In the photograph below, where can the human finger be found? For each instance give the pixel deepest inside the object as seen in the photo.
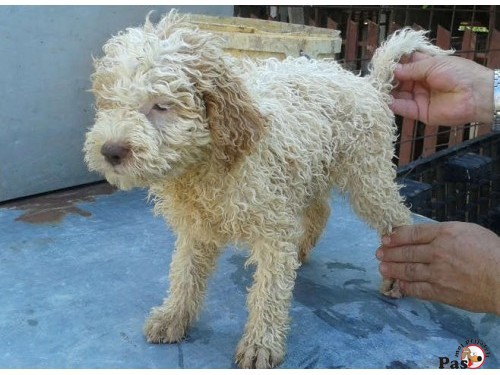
(411, 234)
(417, 70)
(419, 56)
(402, 94)
(405, 254)
(405, 271)
(413, 57)
(419, 289)
(405, 107)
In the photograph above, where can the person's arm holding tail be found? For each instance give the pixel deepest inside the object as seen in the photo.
(451, 262)
(443, 90)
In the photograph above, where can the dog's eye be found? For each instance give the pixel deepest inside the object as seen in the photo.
(160, 107)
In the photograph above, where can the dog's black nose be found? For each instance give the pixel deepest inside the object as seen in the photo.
(114, 153)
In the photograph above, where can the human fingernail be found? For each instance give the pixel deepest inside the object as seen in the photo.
(386, 240)
(379, 254)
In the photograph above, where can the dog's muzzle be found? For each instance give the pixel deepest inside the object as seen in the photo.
(115, 153)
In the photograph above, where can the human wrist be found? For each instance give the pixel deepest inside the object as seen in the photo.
(495, 277)
(496, 296)
(496, 101)
(496, 300)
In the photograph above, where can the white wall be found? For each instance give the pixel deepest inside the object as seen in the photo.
(45, 108)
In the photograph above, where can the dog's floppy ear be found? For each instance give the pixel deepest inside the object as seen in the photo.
(235, 123)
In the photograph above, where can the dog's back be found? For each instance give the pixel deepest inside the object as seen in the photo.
(316, 113)
(316, 109)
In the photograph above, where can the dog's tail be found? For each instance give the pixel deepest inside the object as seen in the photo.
(402, 42)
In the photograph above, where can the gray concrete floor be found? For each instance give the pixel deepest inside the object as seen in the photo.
(80, 270)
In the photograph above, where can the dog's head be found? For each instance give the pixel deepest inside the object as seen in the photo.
(167, 100)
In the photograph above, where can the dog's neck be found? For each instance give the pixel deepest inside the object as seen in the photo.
(192, 178)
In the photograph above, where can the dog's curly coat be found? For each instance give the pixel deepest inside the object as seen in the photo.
(244, 152)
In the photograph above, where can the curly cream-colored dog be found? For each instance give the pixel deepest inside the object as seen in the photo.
(245, 152)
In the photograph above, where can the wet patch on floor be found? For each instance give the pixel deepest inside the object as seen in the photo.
(51, 208)
(343, 266)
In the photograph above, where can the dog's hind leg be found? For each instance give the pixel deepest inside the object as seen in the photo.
(314, 221)
(374, 196)
(191, 265)
(263, 343)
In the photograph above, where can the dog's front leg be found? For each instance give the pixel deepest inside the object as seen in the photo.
(192, 263)
(263, 343)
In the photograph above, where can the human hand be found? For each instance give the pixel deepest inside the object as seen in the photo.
(452, 262)
(443, 90)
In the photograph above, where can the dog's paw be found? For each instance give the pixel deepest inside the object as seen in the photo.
(390, 288)
(161, 327)
(250, 356)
